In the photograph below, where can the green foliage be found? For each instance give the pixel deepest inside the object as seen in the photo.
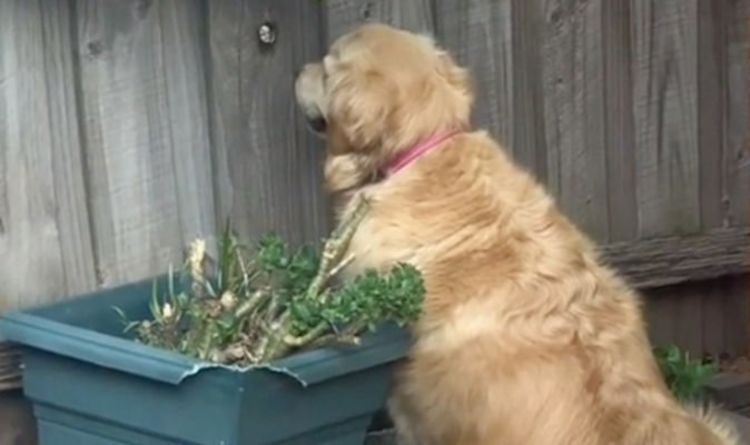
(364, 302)
(685, 377)
(257, 304)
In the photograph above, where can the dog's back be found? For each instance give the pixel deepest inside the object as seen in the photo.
(525, 338)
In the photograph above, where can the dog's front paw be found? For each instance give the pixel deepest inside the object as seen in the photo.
(344, 173)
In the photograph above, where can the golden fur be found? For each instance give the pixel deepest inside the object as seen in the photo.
(526, 338)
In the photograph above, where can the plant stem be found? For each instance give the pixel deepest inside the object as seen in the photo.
(312, 334)
(330, 264)
(335, 247)
(256, 300)
(335, 338)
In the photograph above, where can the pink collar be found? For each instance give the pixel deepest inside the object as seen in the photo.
(407, 157)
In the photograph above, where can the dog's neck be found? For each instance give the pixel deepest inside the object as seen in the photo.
(411, 154)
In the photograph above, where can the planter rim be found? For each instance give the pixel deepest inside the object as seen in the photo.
(31, 328)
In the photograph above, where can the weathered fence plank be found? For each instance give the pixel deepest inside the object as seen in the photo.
(666, 115)
(736, 312)
(736, 171)
(619, 142)
(574, 99)
(724, 95)
(145, 119)
(343, 15)
(659, 313)
(529, 142)
(266, 166)
(681, 258)
(499, 42)
(712, 76)
(689, 317)
(183, 29)
(45, 245)
(708, 317)
(479, 34)
(714, 301)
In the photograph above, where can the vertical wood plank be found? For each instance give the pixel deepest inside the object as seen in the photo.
(479, 34)
(714, 300)
(712, 81)
(45, 248)
(724, 94)
(267, 167)
(144, 103)
(343, 15)
(704, 317)
(689, 317)
(619, 126)
(737, 123)
(575, 109)
(184, 34)
(659, 311)
(666, 118)
(530, 146)
(736, 314)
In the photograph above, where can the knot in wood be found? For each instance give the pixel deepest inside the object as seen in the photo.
(94, 48)
(267, 33)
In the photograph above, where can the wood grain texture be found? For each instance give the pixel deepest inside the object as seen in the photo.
(712, 95)
(689, 317)
(736, 289)
(574, 99)
(666, 118)
(736, 160)
(724, 94)
(340, 16)
(266, 166)
(478, 34)
(619, 120)
(714, 301)
(528, 134)
(45, 245)
(660, 307)
(676, 259)
(146, 131)
(706, 318)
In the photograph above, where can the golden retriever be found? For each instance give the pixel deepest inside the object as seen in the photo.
(526, 337)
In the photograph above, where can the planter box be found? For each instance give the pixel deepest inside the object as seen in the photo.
(91, 386)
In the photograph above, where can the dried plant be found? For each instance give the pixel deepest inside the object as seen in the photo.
(256, 305)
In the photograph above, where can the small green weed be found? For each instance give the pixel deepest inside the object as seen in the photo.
(685, 377)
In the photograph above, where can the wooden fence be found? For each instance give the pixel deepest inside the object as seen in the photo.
(127, 127)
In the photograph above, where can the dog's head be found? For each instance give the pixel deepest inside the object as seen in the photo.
(378, 91)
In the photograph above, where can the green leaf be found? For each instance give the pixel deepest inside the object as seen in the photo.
(120, 313)
(130, 326)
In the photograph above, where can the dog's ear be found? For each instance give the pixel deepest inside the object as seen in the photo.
(461, 90)
(360, 106)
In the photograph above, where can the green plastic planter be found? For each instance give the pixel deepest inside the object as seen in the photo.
(91, 386)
